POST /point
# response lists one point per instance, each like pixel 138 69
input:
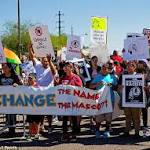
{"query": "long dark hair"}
pixel 12 69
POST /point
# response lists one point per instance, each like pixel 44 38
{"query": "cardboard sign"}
pixel 73 47
pixel 135 48
pixel 63 53
pixel 99 30
pixel 146 32
pixel 2 56
pixel 41 41
pixel 133 91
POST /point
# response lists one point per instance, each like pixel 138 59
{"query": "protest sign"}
pixel 2 56
pixel 27 67
pixel 101 52
pixel 131 35
pixel 63 54
pixel 135 48
pixel 41 41
pixel 146 32
pixel 59 100
pixel 82 68
pixel 133 91
pixel 99 30
pixel 73 47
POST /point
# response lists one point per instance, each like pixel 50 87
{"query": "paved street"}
pixel 85 141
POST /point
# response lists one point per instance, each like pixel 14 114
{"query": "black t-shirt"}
pixel 10 80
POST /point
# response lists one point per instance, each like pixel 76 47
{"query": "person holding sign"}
pixel 132 114
pixel 45 71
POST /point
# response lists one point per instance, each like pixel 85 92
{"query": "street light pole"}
pixel 19 36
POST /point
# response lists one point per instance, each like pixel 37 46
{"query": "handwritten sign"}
pixel 41 41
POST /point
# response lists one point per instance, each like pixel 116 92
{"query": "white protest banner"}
pixel 41 41
pixel 58 100
pixel 83 68
pixel 99 30
pixel 117 111
pixel 73 47
pixel 135 48
pixel 146 32
pixel 133 91
pixel 2 56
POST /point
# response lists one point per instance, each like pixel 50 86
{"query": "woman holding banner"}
pixel 94 69
pixel 70 79
pixel 104 79
pixel 9 77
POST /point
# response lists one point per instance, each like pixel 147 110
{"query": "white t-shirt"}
pixel 44 76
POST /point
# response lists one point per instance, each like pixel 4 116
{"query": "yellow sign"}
pixel 99 24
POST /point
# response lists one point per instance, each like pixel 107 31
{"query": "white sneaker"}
pixel 42 129
pixel 28 138
pixel 106 134
pixel 37 137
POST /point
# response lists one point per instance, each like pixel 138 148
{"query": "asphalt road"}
pixel 85 140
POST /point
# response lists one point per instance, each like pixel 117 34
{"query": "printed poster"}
pixel 133 91
pixel 73 47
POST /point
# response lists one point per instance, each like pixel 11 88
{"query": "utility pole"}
pixel 59 27
pixel 59 23
pixel 19 36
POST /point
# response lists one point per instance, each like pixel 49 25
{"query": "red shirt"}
pixel 73 79
pixel 118 70
pixel 117 58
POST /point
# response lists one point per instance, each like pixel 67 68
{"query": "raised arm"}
pixel 31 53
pixel 52 66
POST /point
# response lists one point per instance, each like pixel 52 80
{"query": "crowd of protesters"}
pixel 46 73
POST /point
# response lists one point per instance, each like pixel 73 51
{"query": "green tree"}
pixel 59 42
pixel 9 37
